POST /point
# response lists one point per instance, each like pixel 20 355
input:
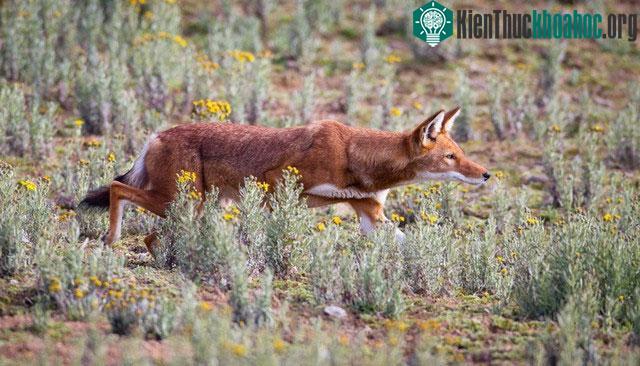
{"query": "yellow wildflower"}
pixel 237 349
pixel 417 106
pixel 186 177
pixel 78 293
pixel 111 157
pixel 429 217
pixel 93 143
pixel 205 306
pixel 228 217
pixel 555 128
pixel 263 185
pixel 607 217
pixel 396 112
pixel 393 340
pixel 397 218
pixel 78 123
pixel 320 226
pixel 621 298
pixel 293 169
pixel 532 220
pixel 500 259
pixel 336 220
pixel 499 174
pixel 242 56
pixel 96 282
pixel 504 271
pixel 597 128
pixel 180 41
pixel 28 185
pixel 65 216
pixel 357 65
pixel 279 345
pixel 343 339
pixel 55 286
pixel 195 195
pixel 206 108
pixel 429 325
pixel 392 59
pixel 402 326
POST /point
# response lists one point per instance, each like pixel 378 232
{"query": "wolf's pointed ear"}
pixel 428 130
pixel 449 118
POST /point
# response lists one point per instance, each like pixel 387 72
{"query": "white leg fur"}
pixel 366 225
pixel 118 229
pixel 400 236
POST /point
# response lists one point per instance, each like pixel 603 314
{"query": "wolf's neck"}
pixel 381 160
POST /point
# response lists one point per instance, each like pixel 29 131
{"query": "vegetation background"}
pixel 541 265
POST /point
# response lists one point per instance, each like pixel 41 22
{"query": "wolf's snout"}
pixel 486 176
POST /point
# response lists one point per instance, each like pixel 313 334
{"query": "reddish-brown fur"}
pixel 325 152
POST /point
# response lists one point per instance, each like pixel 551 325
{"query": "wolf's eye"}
pixel 450 156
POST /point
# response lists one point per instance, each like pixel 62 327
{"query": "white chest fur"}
pixel 331 191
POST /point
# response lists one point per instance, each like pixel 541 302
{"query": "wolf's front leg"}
pixel 370 213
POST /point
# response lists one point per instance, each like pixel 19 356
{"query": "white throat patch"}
pixel 422 176
pixel 331 191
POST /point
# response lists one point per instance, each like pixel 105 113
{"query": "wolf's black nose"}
pixel 486 176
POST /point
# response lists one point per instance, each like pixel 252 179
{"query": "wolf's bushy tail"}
pixel 136 177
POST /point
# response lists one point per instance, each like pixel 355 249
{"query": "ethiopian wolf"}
pixel 337 163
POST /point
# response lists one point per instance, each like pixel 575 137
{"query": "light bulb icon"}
pixel 432 22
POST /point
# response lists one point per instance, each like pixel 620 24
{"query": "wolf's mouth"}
pixel 453 176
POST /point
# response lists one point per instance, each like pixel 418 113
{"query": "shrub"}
pixel 25 216
pixel 372 275
pixel 199 244
pixel 288 224
pixel 623 137
pixel 429 256
pixel 554 265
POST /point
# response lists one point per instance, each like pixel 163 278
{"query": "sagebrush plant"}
pixel 80 284
pixel 623 136
pixel 25 217
pixel 253 221
pixel 586 250
pixel 325 250
pixel 200 244
pixel 372 275
pixel 429 257
pixel 548 254
pixel 462 130
pixel 15 132
pixel 288 222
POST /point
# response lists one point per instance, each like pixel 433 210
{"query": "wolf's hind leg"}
pixel 119 194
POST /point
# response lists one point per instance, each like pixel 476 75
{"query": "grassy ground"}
pixel 539 266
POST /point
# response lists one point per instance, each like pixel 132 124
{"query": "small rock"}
pixel 335 311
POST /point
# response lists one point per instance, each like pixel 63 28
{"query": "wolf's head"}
pixel 436 156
